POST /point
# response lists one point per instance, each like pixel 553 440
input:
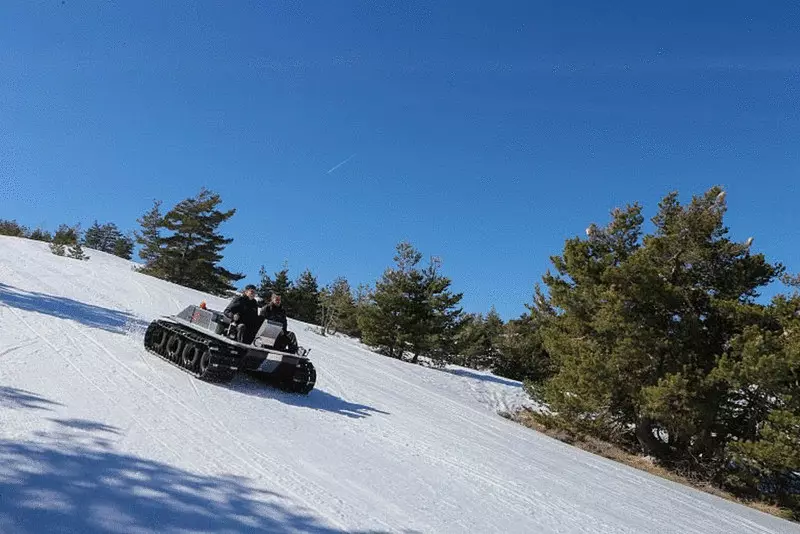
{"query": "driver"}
pixel 243 313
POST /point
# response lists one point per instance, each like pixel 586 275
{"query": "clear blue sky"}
pixel 483 132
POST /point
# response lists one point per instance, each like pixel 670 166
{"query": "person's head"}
pixel 276 299
pixel 250 291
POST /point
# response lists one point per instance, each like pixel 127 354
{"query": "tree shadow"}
pixel 19 398
pixel 484 378
pixel 66 308
pixel 76 488
pixel 317 399
pixel 86 425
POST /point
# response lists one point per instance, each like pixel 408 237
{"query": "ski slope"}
pixel 97 435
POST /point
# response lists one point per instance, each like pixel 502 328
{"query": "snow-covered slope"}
pixel 96 435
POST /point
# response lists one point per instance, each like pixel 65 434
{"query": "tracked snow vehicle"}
pixel 200 341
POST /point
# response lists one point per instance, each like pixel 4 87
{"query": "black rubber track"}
pixel 305 376
pixel 191 352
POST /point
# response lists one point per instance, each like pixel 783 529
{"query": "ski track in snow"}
pixel 97 435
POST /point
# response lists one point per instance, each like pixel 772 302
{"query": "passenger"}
pixel 243 313
pixel 274 312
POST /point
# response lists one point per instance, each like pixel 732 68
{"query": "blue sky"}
pixel 484 132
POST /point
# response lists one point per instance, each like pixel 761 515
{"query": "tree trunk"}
pixel 651 445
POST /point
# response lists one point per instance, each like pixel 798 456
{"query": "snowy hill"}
pixel 97 435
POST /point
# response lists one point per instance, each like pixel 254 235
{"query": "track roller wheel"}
pixel 174 347
pixel 191 354
pixel 204 363
pixel 161 339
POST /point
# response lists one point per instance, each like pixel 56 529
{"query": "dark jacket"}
pixel 246 308
pixel 275 313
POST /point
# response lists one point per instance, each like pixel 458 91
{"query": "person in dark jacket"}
pixel 243 313
pixel 274 312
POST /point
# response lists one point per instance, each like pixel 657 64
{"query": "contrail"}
pixel 340 164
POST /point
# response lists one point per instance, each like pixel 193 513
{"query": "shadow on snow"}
pixel 86 425
pixel 315 400
pixel 14 398
pixel 72 481
pixel 66 308
pixel 484 377
pixel 74 488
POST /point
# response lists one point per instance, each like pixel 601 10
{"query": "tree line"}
pixel 69 240
pixel 654 341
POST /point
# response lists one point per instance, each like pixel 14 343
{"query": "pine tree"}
pixel 469 341
pixel 385 317
pixel 41 235
pixel 479 340
pixel 123 247
pixel 59 249
pixel 281 285
pixel 439 317
pixel 521 353
pixel 493 337
pixel 762 371
pixel 150 240
pixel 66 235
pixel 93 236
pixel 264 290
pixel 326 313
pixel 337 308
pixel 635 326
pixel 12 228
pixel 304 297
pixel 76 251
pixel 102 237
pixel 411 310
pixel 184 246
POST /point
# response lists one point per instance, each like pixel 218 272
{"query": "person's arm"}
pixel 233 309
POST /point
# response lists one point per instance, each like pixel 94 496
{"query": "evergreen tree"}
pixel 150 240
pixel 123 247
pixel 521 354
pixel 337 308
pixel 265 285
pixel 304 298
pixel 635 327
pixel 411 310
pixel 479 341
pixel 326 313
pixel 189 251
pixel 762 372
pixel 66 235
pixel 281 285
pixel 385 315
pixel 76 251
pixel 346 307
pixel 59 249
pixel 468 342
pixel 103 237
pixel 12 228
pixel 41 235
pixel 92 237
pixel 439 317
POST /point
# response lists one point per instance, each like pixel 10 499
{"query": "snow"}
pixel 97 435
